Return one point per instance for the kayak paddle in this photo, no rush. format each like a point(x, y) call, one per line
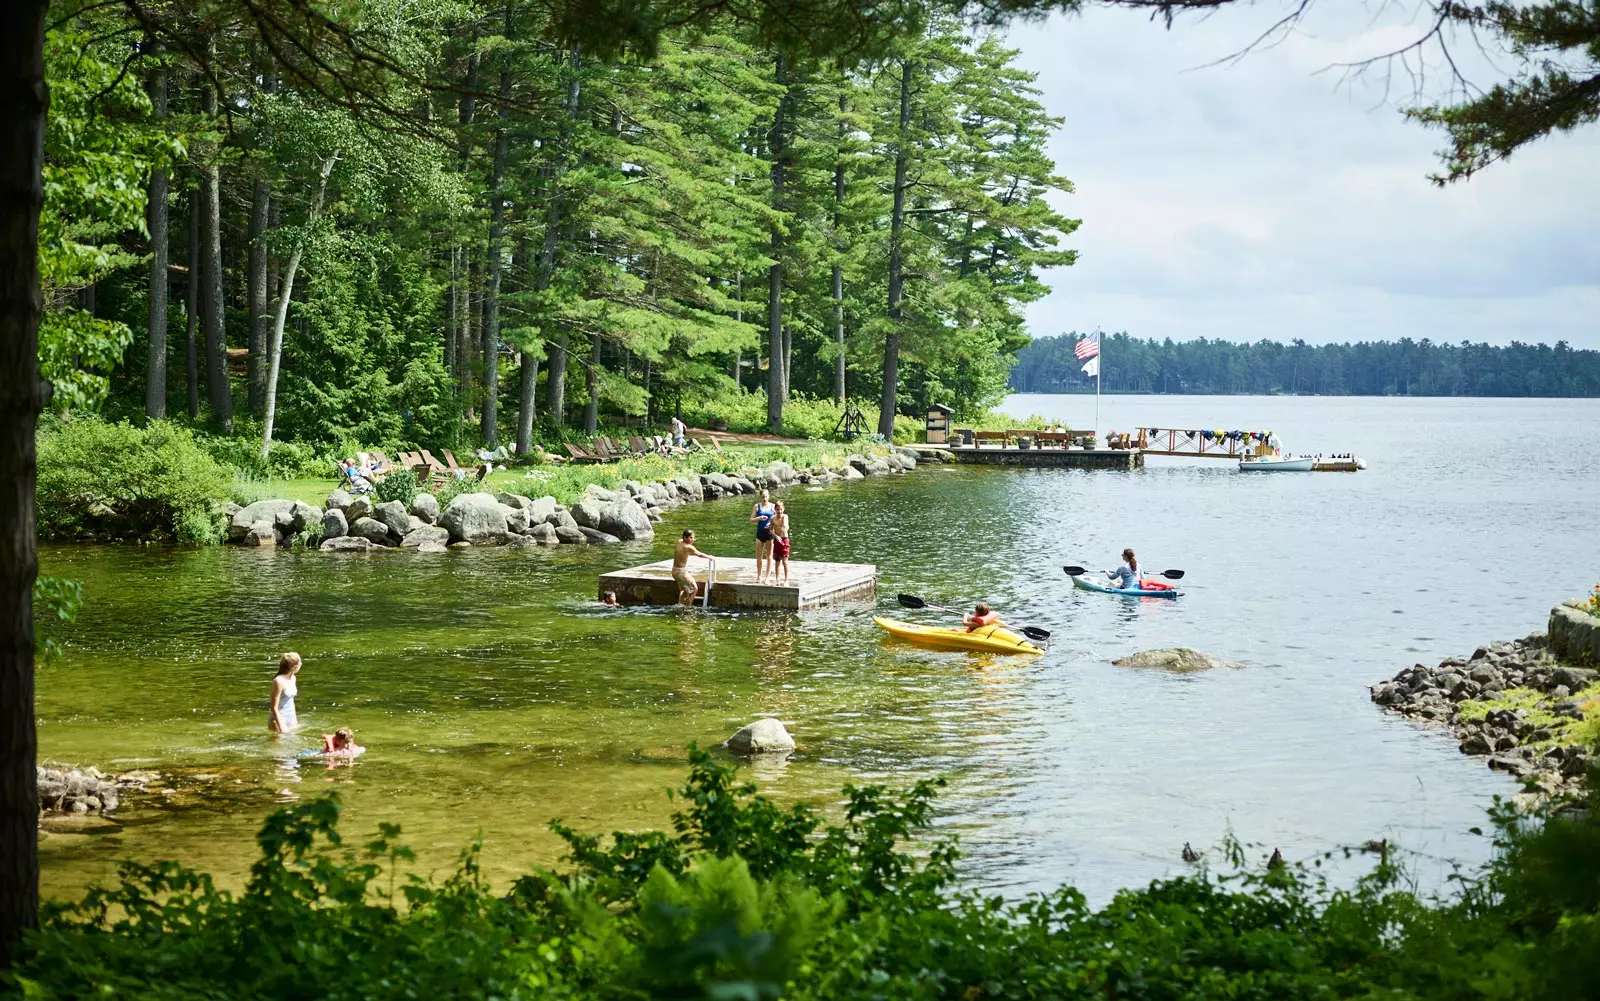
point(1169, 574)
point(912, 601)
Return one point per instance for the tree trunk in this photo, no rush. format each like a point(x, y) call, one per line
point(738, 317)
point(256, 277)
point(212, 324)
point(555, 387)
point(452, 310)
point(490, 427)
point(464, 333)
point(897, 222)
point(281, 314)
point(591, 379)
point(776, 391)
point(23, 394)
point(191, 302)
point(838, 269)
point(156, 214)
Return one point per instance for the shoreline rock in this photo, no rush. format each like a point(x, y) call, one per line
point(1514, 703)
point(602, 516)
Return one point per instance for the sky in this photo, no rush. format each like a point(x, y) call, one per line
point(1278, 198)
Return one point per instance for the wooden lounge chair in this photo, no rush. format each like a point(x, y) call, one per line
point(637, 444)
point(581, 455)
point(455, 467)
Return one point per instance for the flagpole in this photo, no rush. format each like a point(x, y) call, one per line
point(1099, 359)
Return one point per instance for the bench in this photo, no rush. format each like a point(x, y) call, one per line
point(979, 437)
point(1061, 439)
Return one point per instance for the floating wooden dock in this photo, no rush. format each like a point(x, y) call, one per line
point(811, 585)
point(1048, 458)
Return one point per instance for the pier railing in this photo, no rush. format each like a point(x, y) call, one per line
point(1200, 443)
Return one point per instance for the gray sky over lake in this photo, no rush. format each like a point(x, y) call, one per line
point(1264, 199)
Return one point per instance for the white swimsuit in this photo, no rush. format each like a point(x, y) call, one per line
point(286, 705)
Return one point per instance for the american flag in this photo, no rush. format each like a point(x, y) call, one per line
point(1088, 346)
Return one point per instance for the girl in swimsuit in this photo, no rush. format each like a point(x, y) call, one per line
point(280, 712)
point(761, 517)
point(780, 544)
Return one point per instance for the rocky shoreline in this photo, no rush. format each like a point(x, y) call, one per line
point(1514, 703)
point(360, 524)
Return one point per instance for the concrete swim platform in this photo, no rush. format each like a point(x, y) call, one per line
point(811, 585)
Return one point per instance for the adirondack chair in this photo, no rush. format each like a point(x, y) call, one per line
point(581, 455)
point(455, 467)
point(638, 445)
point(600, 449)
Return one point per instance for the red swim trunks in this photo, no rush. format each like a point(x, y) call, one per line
point(780, 549)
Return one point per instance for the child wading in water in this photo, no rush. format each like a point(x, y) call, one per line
point(341, 743)
point(780, 544)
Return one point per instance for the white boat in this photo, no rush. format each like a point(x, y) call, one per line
point(1275, 464)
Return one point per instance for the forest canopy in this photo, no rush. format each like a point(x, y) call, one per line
point(1368, 368)
point(479, 232)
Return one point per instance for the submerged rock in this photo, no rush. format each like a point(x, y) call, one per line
point(1180, 659)
point(346, 544)
point(764, 736)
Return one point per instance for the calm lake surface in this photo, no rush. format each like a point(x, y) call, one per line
point(493, 694)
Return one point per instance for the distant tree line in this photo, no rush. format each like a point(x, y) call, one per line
point(1370, 368)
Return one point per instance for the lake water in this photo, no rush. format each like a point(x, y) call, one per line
point(494, 694)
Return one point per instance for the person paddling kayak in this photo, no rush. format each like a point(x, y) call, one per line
point(1127, 575)
point(981, 616)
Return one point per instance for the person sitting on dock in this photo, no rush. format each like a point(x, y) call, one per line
point(982, 615)
point(680, 567)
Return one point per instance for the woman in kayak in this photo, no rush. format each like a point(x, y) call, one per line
point(1127, 575)
point(981, 616)
point(1128, 578)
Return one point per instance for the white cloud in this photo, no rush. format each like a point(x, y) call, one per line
point(1267, 199)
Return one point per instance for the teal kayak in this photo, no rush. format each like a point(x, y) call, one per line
point(1083, 582)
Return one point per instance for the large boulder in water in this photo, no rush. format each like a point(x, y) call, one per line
point(426, 507)
point(626, 520)
point(427, 533)
point(543, 534)
point(764, 736)
point(250, 516)
point(1179, 659)
point(475, 518)
point(371, 529)
point(334, 525)
point(587, 512)
point(516, 519)
point(540, 509)
point(595, 537)
point(570, 535)
point(346, 544)
point(394, 515)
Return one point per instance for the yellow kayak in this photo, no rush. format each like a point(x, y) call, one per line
point(995, 638)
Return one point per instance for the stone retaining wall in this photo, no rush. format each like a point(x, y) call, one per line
point(360, 523)
point(1575, 634)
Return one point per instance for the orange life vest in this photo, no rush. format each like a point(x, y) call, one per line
point(976, 622)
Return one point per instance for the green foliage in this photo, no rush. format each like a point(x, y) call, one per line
point(58, 600)
point(201, 527)
point(803, 416)
point(1591, 604)
point(399, 485)
point(106, 480)
point(747, 899)
point(1370, 368)
point(99, 147)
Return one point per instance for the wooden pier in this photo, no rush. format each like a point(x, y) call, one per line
point(1047, 458)
point(811, 585)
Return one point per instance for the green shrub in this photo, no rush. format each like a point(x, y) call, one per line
point(201, 527)
point(803, 416)
point(106, 480)
point(745, 899)
point(400, 485)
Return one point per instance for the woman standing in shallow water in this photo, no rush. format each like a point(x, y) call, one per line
point(280, 714)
